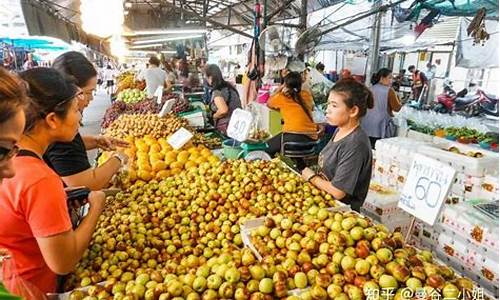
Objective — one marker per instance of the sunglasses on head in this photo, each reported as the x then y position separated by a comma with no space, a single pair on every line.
8,153
79,95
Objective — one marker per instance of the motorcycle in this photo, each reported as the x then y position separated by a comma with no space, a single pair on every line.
475,104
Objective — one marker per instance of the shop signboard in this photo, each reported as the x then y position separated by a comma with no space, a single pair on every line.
240,125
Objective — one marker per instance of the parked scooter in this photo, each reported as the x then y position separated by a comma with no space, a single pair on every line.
476,103
446,100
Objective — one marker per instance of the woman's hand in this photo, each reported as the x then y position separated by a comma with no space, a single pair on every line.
307,174
109,144
97,200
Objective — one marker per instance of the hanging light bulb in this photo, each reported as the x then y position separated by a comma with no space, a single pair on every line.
102,18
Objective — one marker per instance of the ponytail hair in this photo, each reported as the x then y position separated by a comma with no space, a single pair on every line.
355,94
382,73
293,82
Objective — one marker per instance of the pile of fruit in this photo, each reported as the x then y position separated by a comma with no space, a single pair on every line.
119,108
344,256
259,135
140,125
210,142
151,158
161,237
131,96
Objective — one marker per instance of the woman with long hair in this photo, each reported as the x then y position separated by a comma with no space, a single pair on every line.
296,107
12,120
346,161
224,100
34,222
378,121
69,159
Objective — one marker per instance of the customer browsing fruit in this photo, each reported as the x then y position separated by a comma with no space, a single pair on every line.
346,161
69,159
34,222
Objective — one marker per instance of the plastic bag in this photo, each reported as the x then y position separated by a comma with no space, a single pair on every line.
14,283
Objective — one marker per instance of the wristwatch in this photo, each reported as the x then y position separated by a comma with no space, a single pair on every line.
120,156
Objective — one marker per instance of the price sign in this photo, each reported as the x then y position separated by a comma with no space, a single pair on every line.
426,188
159,94
240,125
179,138
167,107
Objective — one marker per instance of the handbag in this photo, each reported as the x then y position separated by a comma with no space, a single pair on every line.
391,129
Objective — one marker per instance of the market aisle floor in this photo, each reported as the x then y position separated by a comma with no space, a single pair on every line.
92,117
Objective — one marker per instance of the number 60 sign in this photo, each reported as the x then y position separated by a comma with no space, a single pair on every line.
426,188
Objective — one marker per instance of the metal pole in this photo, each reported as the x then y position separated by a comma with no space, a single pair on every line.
373,56
448,65
303,21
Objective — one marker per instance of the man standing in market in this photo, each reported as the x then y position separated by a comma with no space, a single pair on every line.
154,76
419,82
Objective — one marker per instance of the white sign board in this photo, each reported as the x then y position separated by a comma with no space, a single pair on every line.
426,188
167,107
240,125
159,94
180,138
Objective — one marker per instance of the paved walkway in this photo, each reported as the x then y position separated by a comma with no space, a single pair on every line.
92,117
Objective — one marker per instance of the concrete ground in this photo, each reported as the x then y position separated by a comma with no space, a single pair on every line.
92,117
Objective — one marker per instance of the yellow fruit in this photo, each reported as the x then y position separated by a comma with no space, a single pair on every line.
132,175
192,150
183,156
145,175
156,155
200,160
144,167
213,159
155,148
190,164
162,174
159,166
206,153
172,155
143,148
169,161
175,171
176,165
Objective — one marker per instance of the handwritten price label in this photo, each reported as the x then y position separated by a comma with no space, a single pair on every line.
240,125
426,188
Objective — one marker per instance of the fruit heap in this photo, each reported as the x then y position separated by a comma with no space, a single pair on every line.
259,135
140,125
154,158
131,96
209,142
176,225
180,105
343,256
119,108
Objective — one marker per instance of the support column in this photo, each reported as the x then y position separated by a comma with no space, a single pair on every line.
373,55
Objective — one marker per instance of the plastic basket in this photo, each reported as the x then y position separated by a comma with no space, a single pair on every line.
231,149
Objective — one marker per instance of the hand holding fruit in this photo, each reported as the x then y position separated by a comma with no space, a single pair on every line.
97,200
110,144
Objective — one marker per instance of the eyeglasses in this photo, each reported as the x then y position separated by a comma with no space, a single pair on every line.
8,153
79,96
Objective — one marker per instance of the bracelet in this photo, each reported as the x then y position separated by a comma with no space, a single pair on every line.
311,177
120,158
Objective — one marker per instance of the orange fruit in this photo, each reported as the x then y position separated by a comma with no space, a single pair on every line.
145,175
163,174
172,155
183,156
190,164
155,148
159,166
206,153
175,171
176,165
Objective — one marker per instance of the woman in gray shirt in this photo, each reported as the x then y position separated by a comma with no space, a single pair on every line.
346,162
225,98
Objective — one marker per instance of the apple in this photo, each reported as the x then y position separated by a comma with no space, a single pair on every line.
355,293
401,273
369,287
300,280
372,259
436,281
450,291
333,291
332,268
348,223
376,271
232,275
387,282
357,233
413,283
257,272
214,281
347,262
199,284
253,286
317,292
338,279
266,285
363,249
362,267
384,255
226,290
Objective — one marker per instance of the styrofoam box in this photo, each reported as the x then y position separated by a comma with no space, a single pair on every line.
477,167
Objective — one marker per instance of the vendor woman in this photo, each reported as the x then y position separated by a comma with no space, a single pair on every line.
346,161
